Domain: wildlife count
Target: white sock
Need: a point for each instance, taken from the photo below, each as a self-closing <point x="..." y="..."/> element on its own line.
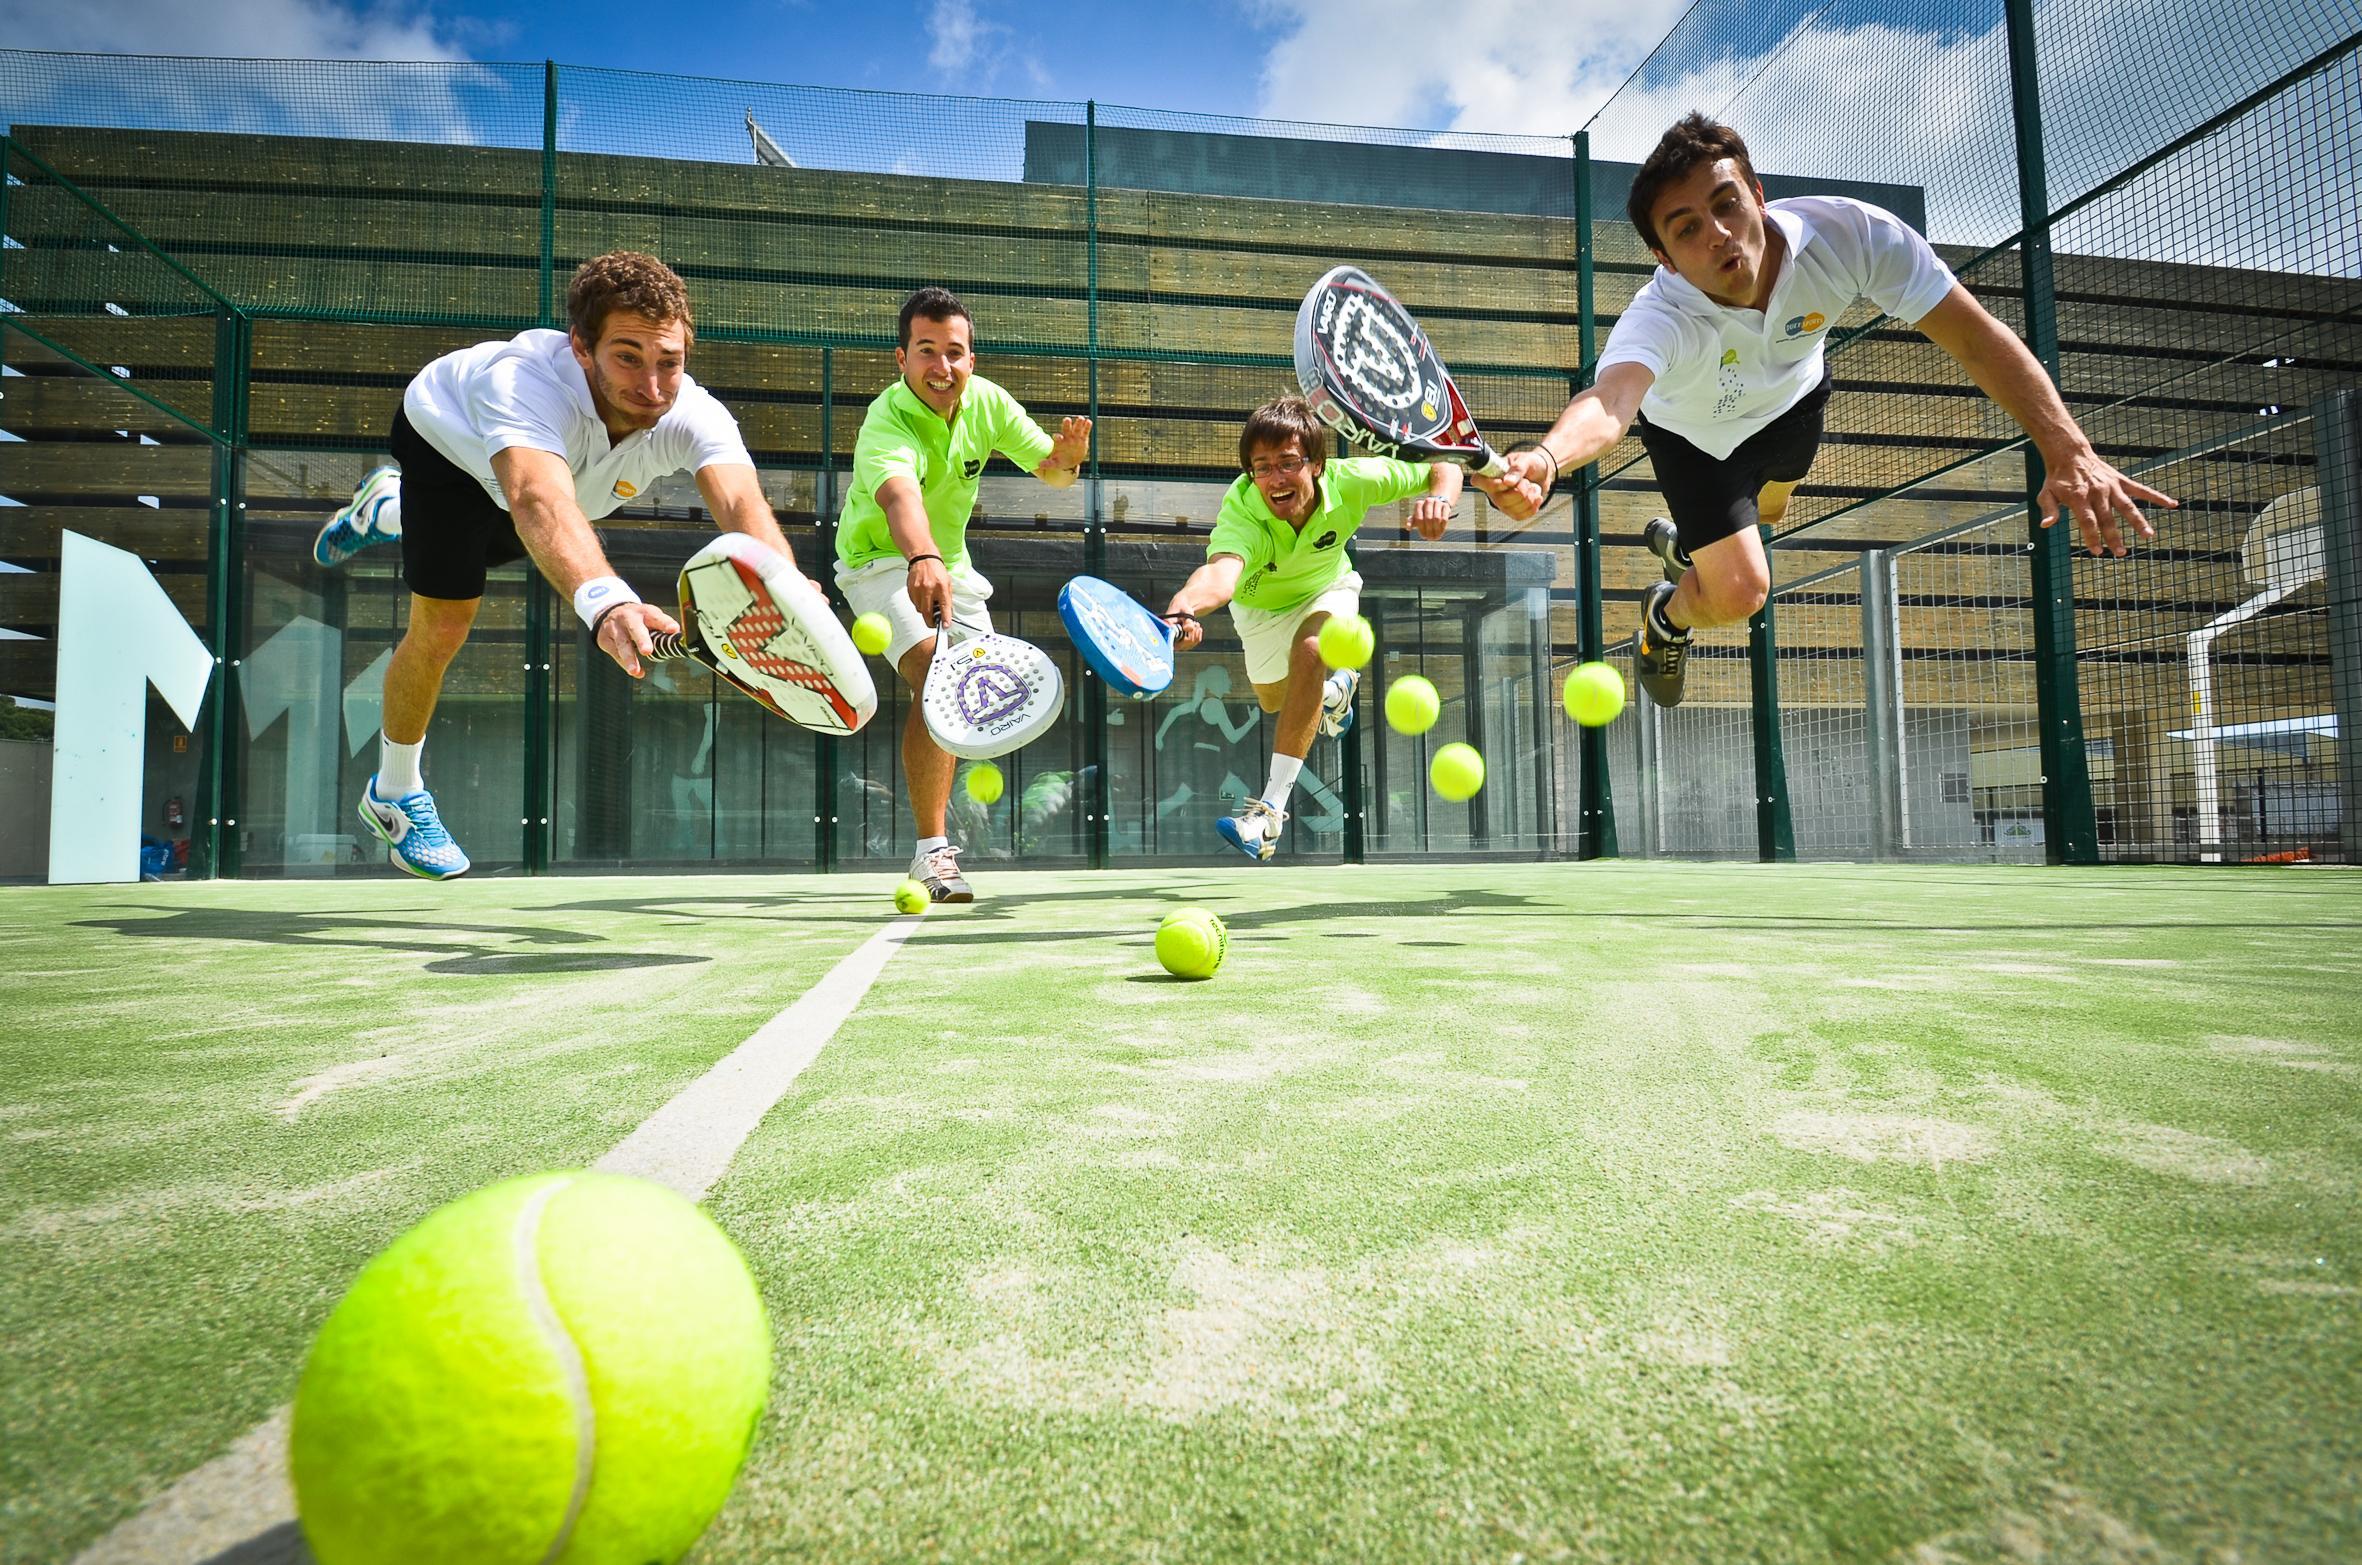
<point x="930" y="844"/>
<point x="398" y="769"/>
<point x="1283" y="780"/>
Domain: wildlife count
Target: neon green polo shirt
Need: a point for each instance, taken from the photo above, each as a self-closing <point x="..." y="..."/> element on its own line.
<point x="1287" y="567"/>
<point x="902" y="437"/>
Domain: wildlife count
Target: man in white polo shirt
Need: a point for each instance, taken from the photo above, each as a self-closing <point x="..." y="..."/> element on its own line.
<point x="1720" y="358"/>
<point x="512" y="449"/>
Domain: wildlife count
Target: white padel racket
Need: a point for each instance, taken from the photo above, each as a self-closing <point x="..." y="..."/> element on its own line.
<point x="988" y="694"/>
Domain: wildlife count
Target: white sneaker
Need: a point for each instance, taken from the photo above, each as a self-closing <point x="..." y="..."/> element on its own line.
<point x="938" y="869"/>
<point x="1336" y="701"/>
<point x="1254" y="830"/>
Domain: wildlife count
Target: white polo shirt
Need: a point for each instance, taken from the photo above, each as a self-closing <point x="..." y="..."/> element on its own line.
<point x="530" y="392"/>
<point x="1723" y="373"/>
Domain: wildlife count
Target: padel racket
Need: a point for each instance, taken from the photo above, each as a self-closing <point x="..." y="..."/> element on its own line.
<point x="758" y="623"/>
<point x="1372" y="375"/>
<point x="987" y="694"/>
<point x="1125" y="645"/>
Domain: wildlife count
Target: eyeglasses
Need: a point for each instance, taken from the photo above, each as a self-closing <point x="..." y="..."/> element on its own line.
<point x="1285" y="467"/>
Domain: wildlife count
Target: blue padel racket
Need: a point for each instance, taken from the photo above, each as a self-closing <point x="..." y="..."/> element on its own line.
<point x="1125" y="645"/>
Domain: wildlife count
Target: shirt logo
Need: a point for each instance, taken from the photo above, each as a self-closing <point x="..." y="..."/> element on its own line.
<point x="1802" y="325"/>
<point x="625" y="489"/>
<point x="971" y="467"/>
<point x="1327" y="540"/>
<point x="1730" y="356"/>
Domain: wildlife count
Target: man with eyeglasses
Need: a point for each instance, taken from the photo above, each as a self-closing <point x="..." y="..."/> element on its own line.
<point x="1277" y="557"/>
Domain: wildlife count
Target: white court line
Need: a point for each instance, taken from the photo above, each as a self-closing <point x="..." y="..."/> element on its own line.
<point x="238" y="1508"/>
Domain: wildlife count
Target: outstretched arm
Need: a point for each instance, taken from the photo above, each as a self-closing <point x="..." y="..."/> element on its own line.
<point x="734" y="493"/>
<point x="1069" y="449"/>
<point x="2076" y="479"/>
<point x="1209" y="587"/>
<point x="1433" y="512"/>
<point x="1595" y="420"/>
<point x="563" y="544"/>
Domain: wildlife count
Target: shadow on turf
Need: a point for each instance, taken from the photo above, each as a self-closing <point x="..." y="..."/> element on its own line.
<point x="280" y="1545"/>
<point x="493" y="955"/>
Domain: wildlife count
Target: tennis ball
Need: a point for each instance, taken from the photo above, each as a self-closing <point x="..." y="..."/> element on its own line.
<point x="911" y="897"/>
<point x="1207" y="914"/>
<point x="1411" y="705"/>
<point x="1192" y="947"/>
<point x="872" y="633"/>
<point x="1594" y="694"/>
<point x="1346" y="641"/>
<point x="565" y="1367"/>
<point x="985" y="783"/>
<point x="1457" y="772"/>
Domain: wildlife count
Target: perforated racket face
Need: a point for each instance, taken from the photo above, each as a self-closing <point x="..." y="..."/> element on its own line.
<point x="988" y="694"/>
<point x="758" y="646"/>
<point x="1371" y="374"/>
<point x="1129" y="647"/>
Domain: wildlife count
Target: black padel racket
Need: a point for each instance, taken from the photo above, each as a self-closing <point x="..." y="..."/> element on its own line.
<point x="1371" y="375"/>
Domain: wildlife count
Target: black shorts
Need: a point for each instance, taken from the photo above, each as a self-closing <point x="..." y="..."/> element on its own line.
<point x="1712" y="499"/>
<point x="453" y="533"/>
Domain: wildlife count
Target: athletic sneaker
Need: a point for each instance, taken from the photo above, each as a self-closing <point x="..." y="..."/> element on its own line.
<point x="1254" y="830"/>
<point x="938" y="869"/>
<point x="413" y="833"/>
<point x="1664" y="541"/>
<point x="373" y="515"/>
<point x="1336" y="701"/>
<point x="1661" y="657"/>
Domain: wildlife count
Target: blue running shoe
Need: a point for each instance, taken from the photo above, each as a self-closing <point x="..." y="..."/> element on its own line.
<point x="1336" y="701"/>
<point x="373" y="515"/>
<point x="1254" y="830"/>
<point x="414" y="834"/>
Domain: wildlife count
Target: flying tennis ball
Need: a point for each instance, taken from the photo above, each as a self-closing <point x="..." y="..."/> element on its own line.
<point x="1192" y="947"/>
<point x="911" y="897"/>
<point x="872" y="633"/>
<point x="565" y="1366"/>
<point x="985" y="783"/>
<point x="1411" y="705"/>
<point x="1457" y="772"/>
<point x="1346" y="641"/>
<point x="1594" y="694"/>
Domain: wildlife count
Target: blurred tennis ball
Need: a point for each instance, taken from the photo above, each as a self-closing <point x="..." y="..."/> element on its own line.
<point x="1192" y="947"/>
<point x="1346" y="641"/>
<point x="911" y="897"/>
<point x="985" y="783"/>
<point x="1457" y="772"/>
<point x="872" y="633"/>
<point x="564" y="1366"/>
<point x="1412" y="705"/>
<point x="1594" y="694"/>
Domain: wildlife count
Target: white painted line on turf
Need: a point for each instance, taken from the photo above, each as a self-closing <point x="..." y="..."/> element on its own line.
<point x="239" y="1509"/>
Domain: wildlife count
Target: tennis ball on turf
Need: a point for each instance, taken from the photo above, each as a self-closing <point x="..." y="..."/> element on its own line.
<point x="565" y="1366"/>
<point x="1191" y="911"/>
<point x="1594" y="694"/>
<point x="872" y="633"/>
<point x="1457" y="772"/>
<point x="985" y="783"/>
<point x="1192" y="947"/>
<point x="911" y="897"/>
<point x="1346" y="641"/>
<point x="1411" y="705"/>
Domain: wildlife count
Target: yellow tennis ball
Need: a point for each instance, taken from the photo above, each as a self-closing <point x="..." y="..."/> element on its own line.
<point x="873" y="633"/>
<point x="1457" y="772"/>
<point x="1346" y="641"/>
<point x="1190" y="911"/>
<point x="911" y="897"/>
<point x="985" y="783"/>
<point x="1192" y="947"/>
<point x="1412" y="705"/>
<point x="565" y="1366"/>
<point x="1594" y="694"/>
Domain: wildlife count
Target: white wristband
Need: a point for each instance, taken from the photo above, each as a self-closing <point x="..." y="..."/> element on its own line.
<point x="601" y="593"/>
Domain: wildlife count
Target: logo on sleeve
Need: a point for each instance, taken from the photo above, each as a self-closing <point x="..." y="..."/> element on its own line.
<point x="971" y="467"/>
<point x="1805" y="325"/>
<point x="625" y="489"/>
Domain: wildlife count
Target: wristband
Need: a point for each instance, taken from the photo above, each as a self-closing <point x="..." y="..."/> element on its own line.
<point x="914" y="559"/>
<point x="595" y="597"/>
<point x="1536" y="445"/>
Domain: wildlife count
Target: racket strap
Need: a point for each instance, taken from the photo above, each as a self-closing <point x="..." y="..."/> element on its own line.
<point x="664" y="644"/>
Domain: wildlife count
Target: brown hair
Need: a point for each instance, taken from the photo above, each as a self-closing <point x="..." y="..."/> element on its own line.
<point x="931" y="304"/>
<point x="625" y="280"/>
<point x="1693" y="142"/>
<point x="1275" y="422"/>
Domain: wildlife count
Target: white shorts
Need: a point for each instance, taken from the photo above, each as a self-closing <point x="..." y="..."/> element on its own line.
<point x="1268" y="636"/>
<point x="883" y="587"/>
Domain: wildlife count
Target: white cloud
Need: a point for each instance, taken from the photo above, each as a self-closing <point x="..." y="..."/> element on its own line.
<point x="961" y="41"/>
<point x="266" y="29"/>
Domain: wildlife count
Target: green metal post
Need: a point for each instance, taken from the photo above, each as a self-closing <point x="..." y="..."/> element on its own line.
<point x="824" y="505"/>
<point x="539" y="737"/>
<point x="2072" y="829"/>
<point x="220" y="793"/>
<point x="1775" y="831"/>
<point x="1595" y="812"/>
<point x="549" y="192"/>
<point x="1098" y="803"/>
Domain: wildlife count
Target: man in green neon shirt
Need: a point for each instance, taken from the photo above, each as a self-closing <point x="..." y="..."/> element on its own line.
<point x="902" y="539"/>
<point x="1277" y="557"/>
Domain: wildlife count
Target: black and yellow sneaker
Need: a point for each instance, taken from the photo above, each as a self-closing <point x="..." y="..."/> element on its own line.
<point x="1663" y="649"/>
<point x="1663" y="540"/>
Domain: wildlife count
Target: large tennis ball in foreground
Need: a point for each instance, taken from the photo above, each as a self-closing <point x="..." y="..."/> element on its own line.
<point x="985" y="783"/>
<point x="1192" y="947"/>
<point x="1457" y="772"/>
<point x="911" y="897"/>
<point x="1346" y="641"/>
<point x="565" y="1367"/>
<point x="872" y="633"/>
<point x="1594" y="694"/>
<point x="1412" y="705"/>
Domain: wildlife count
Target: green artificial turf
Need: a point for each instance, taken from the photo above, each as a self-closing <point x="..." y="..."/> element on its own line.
<point x="1586" y="1212"/>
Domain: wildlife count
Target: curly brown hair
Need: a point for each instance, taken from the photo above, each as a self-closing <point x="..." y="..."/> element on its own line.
<point x="1693" y="141"/>
<point x="625" y="280"/>
<point x="1275" y="422"/>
